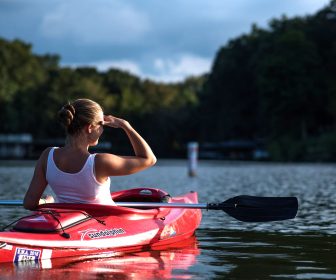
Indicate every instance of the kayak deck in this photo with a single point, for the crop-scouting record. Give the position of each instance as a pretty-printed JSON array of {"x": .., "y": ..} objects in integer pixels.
[{"x": 69, "y": 230}]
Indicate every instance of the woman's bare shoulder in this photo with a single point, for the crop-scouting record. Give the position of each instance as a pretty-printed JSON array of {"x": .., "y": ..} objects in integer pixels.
[
  {"x": 42, "y": 161},
  {"x": 45, "y": 153},
  {"x": 105, "y": 158},
  {"x": 108, "y": 165}
]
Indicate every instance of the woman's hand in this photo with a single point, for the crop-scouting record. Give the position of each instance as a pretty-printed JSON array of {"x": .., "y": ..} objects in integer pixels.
[
  {"x": 114, "y": 122},
  {"x": 47, "y": 199}
]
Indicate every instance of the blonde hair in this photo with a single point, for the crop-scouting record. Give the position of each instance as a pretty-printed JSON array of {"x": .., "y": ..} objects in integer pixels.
[{"x": 76, "y": 115}]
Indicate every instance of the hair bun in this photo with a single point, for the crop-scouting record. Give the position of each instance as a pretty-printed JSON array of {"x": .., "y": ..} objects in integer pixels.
[
  {"x": 70, "y": 108},
  {"x": 66, "y": 114},
  {"x": 76, "y": 115}
]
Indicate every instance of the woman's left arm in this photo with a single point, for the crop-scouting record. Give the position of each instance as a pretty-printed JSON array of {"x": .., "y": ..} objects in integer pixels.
[{"x": 37, "y": 184}]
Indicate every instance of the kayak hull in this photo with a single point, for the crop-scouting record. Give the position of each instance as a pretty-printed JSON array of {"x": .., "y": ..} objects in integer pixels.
[
  {"x": 87, "y": 230},
  {"x": 169, "y": 263}
]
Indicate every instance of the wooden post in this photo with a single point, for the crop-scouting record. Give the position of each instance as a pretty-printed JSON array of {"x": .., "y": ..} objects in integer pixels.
[{"x": 192, "y": 158}]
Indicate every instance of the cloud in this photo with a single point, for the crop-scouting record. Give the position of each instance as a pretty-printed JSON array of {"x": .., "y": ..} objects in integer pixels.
[
  {"x": 175, "y": 70},
  {"x": 95, "y": 22},
  {"x": 125, "y": 65},
  {"x": 163, "y": 69},
  {"x": 161, "y": 40}
]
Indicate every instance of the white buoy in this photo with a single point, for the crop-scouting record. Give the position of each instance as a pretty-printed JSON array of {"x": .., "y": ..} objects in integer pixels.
[{"x": 192, "y": 158}]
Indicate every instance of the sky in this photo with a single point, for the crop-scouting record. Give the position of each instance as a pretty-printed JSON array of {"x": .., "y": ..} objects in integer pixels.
[{"x": 162, "y": 40}]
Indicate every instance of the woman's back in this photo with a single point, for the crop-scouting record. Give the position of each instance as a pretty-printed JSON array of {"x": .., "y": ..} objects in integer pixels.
[
  {"x": 73, "y": 180},
  {"x": 70, "y": 160}
]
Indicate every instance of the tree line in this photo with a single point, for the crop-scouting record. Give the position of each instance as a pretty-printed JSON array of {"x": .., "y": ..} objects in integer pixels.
[
  {"x": 277, "y": 84},
  {"x": 274, "y": 85},
  {"x": 34, "y": 87}
]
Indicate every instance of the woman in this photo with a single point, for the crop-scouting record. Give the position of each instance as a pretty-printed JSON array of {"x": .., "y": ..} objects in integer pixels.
[{"x": 75, "y": 175}]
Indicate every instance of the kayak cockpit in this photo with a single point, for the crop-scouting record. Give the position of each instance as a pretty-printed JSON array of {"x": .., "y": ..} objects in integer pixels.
[
  {"x": 141, "y": 195},
  {"x": 131, "y": 195},
  {"x": 55, "y": 217}
]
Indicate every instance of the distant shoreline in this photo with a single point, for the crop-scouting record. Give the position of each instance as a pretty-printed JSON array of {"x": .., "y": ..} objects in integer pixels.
[{"x": 183, "y": 162}]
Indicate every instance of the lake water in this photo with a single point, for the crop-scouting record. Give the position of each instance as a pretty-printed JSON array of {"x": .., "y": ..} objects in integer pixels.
[{"x": 224, "y": 248}]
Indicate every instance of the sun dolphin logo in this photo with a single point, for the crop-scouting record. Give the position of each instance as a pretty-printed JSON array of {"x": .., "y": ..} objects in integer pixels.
[{"x": 94, "y": 233}]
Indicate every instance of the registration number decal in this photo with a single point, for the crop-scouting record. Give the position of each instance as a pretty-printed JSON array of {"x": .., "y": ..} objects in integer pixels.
[{"x": 28, "y": 255}]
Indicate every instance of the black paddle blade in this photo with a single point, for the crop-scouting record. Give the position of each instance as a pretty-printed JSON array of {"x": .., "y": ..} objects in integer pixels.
[{"x": 259, "y": 209}]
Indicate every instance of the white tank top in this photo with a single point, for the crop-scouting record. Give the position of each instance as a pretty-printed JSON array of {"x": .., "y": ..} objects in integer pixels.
[{"x": 80, "y": 187}]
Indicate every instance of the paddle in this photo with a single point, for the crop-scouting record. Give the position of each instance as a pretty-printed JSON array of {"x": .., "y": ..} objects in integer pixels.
[{"x": 243, "y": 208}]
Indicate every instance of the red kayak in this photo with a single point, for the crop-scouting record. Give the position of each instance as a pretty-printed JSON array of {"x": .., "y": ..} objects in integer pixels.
[{"x": 61, "y": 230}]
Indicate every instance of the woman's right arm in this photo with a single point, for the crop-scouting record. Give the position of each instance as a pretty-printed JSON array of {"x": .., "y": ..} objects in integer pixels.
[
  {"x": 113, "y": 165},
  {"x": 38, "y": 184}
]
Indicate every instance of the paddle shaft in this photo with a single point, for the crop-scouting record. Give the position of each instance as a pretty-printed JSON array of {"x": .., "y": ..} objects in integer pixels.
[
  {"x": 130, "y": 204},
  {"x": 244, "y": 208}
]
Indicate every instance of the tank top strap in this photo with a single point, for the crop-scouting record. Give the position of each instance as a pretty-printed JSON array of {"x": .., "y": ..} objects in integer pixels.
[
  {"x": 50, "y": 161},
  {"x": 91, "y": 164}
]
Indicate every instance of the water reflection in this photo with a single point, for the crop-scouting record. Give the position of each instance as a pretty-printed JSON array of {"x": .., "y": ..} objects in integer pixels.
[{"x": 173, "y": 263}]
